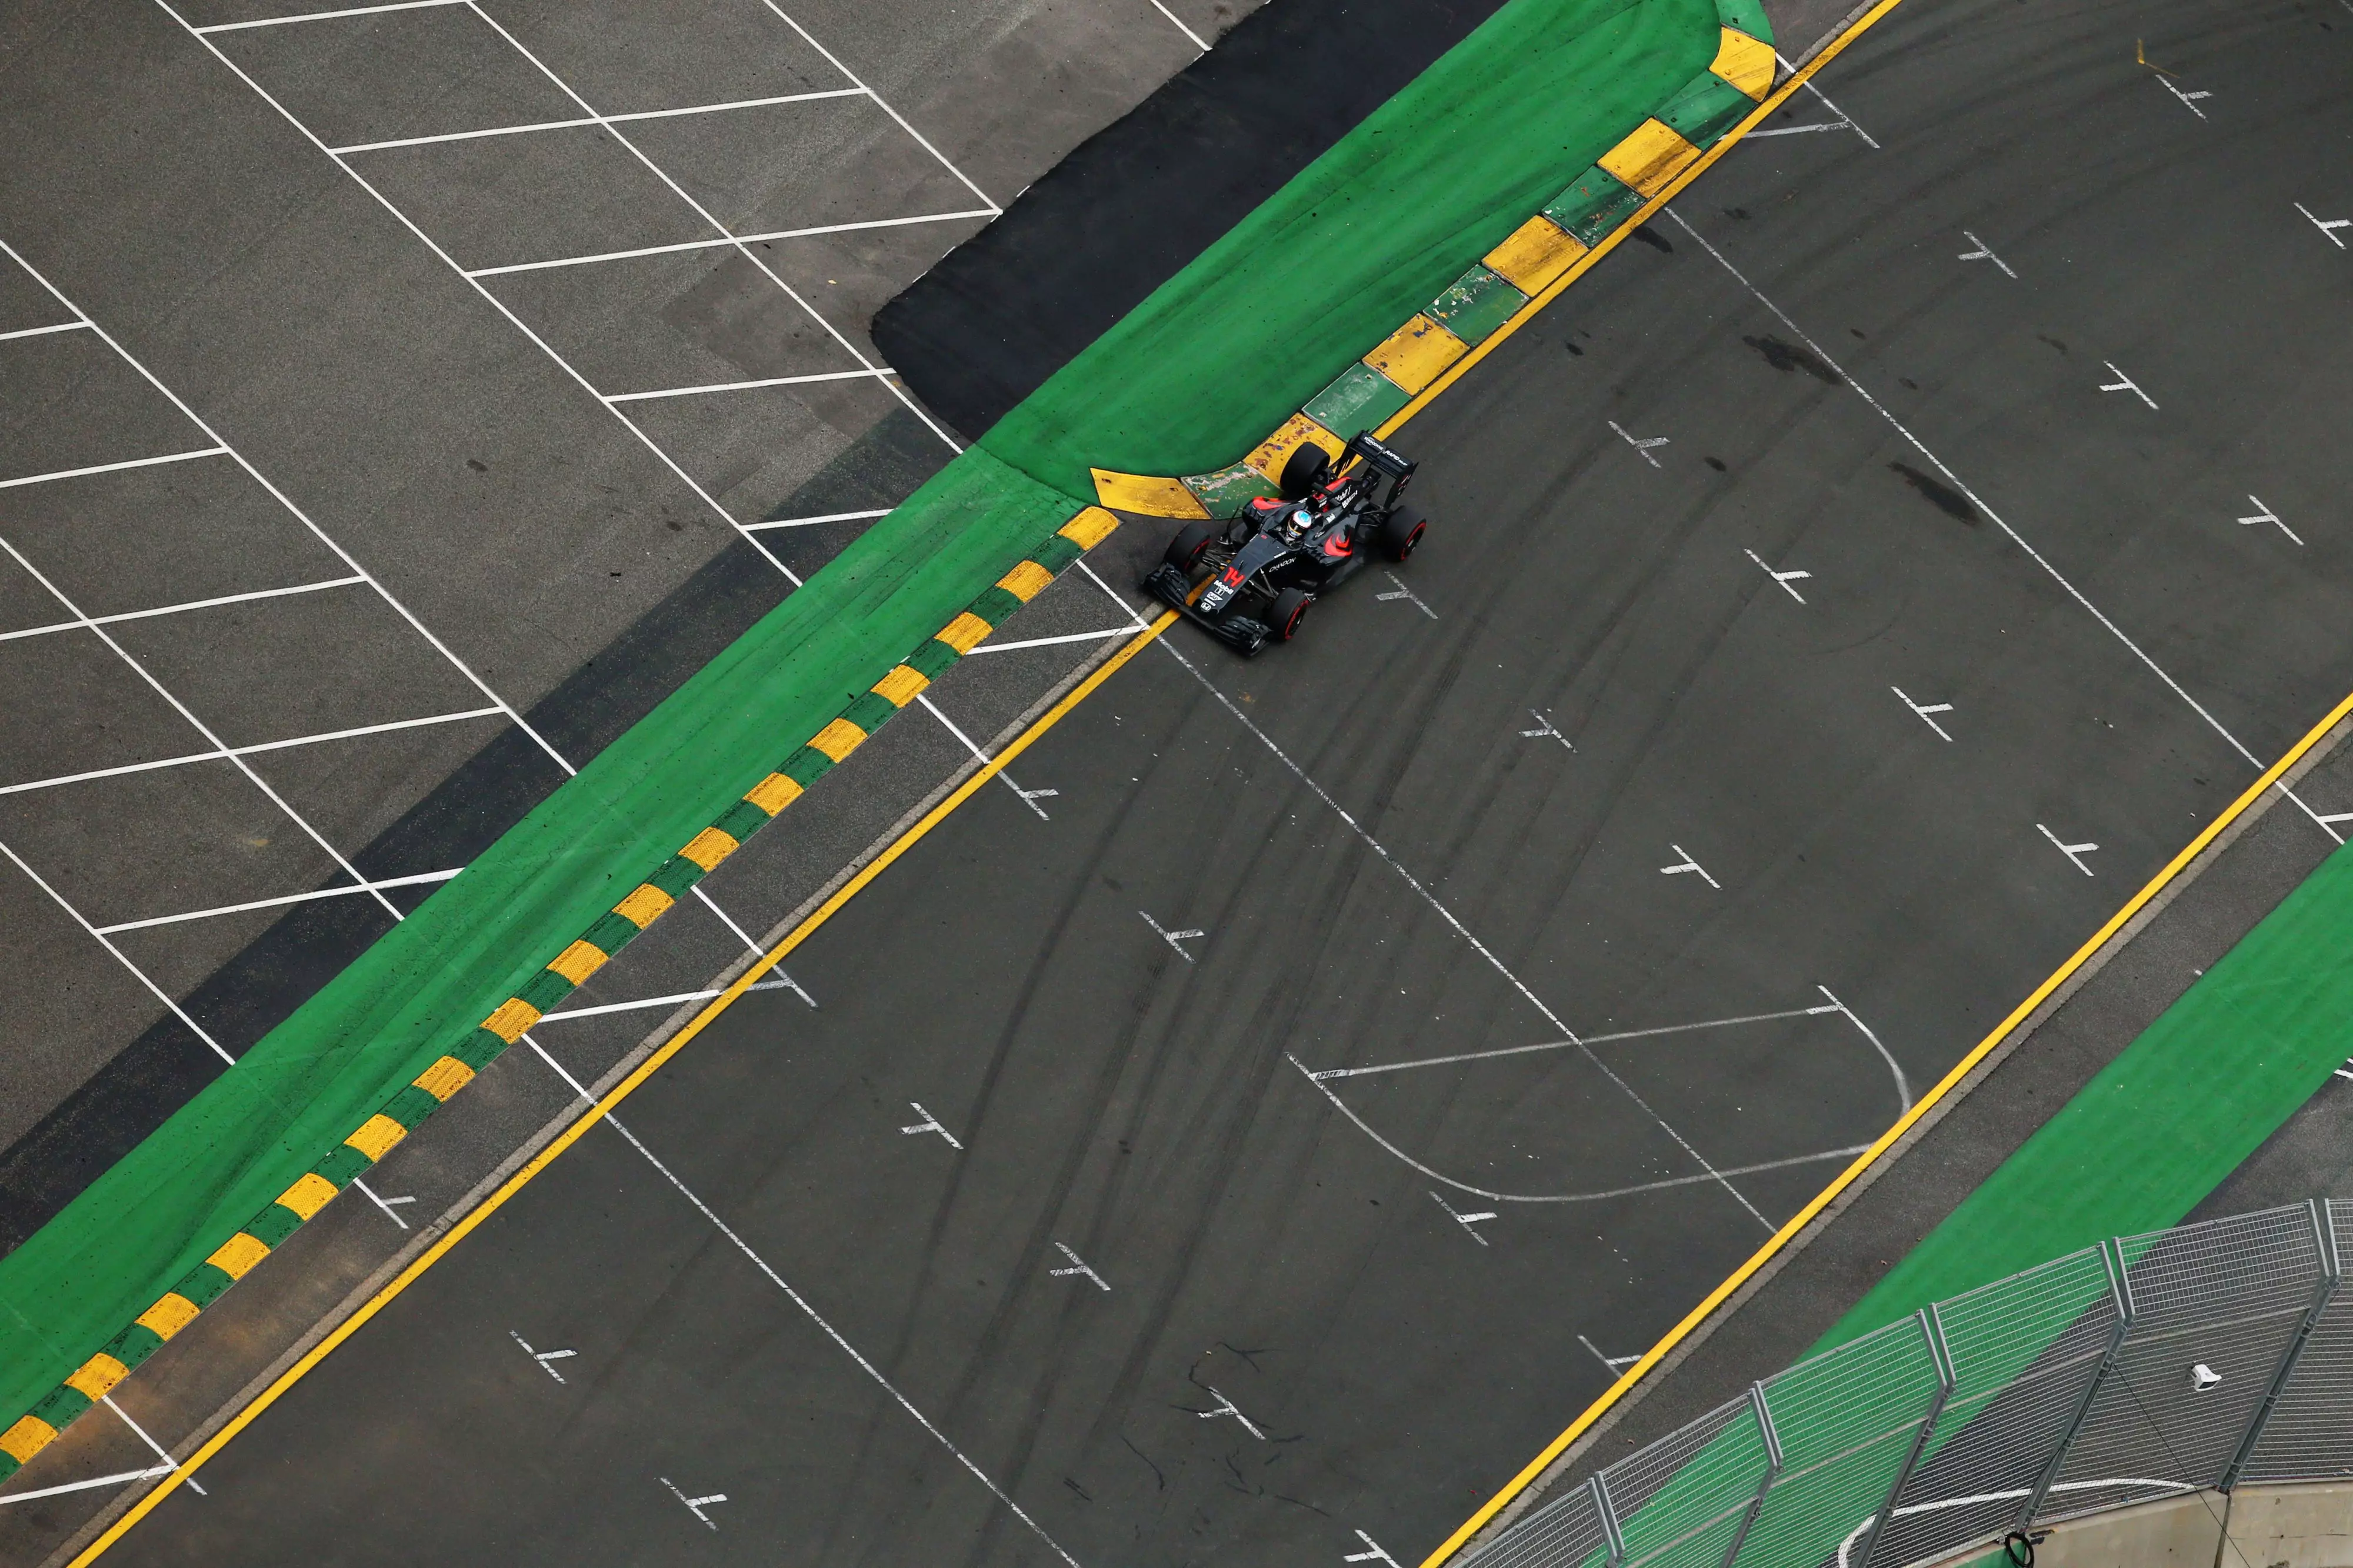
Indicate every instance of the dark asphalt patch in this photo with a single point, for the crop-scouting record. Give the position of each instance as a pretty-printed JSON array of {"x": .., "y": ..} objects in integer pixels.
[
  {"x": 1787, "y": 357},
  {"x": 1654, "y": 239},
  {"x": 1136, "y": 202},
  {"x": 1940, "y": 495}
]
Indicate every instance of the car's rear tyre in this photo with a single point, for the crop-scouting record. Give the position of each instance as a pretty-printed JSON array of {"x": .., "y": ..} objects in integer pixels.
[
  {"x": 1290, "y": 608},
  {"x": 1304, "y": 469},
  {"x": 1401, "y": 534},
  {"x": 1185, "y": 550}
]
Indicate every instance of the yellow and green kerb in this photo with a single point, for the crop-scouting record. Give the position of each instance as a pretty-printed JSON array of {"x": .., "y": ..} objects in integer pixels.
[
  {"x": 612, "y": 931},
  {"x": 1376, "y": 388}
]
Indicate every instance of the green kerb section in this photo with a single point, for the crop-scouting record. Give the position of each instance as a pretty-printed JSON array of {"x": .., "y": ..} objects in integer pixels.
[
  {"x": 1368, "y": 234},
  {"x": 151, "y": 1219},
  {"x": 2164, "y": 1123}
]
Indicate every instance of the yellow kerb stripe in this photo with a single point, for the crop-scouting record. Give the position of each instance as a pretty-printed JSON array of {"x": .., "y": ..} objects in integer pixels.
[
  {"x": 1025, "y": 581},
  {"x": 307, "y": 1195},
  {"x": 96, "y": 1378},
  {"x": 838, "y": 740},
  {"x": 775, "y": 792},
  {"x": 1746, "y": 62},
  {"x": 1416, "y": 353},
  {"x": 238, "y": 1255},
  {"x": 1536, "y": 252},
  {"x": 168, "y": 1316},
  {"x": 1145, "y": 493},
  {"x": 377, "y": 1135},
  {"x": 1089, "y": 528},
  {"x": 443, "y": 1079},
  {"x": 900, "y": 686},
  {"x": 579, "y": 960},
  {"x": 1650, "y": 157},
  {"x": 513, "y": 1017},
  {"x": 709, "y": 848},
  {"x": 28, "y": 1437},
  {"x": 642, "y": 908},
  {"x": 1295, "y": 432},
  {"x": 964, "y": 633}
]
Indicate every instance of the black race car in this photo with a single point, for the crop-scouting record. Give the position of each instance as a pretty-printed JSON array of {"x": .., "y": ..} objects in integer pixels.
[{"x": 1280, "y": 554}]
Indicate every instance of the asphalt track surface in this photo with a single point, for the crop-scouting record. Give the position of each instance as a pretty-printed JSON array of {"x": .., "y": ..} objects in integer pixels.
[
  {"x": 462, "y": 485},
  {"x": 2116, "y": 666}
]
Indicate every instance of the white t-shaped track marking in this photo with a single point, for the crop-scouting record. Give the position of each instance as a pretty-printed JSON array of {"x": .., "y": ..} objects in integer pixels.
[{"x": 930, "y": 1124}]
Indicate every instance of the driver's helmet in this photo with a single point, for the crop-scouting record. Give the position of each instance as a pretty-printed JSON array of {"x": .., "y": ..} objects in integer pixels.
[{"x": 1296, "y": 523}]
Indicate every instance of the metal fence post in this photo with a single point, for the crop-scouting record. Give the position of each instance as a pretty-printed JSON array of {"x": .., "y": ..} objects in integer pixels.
[
  {"x": 2331, "y": 1274},
  {"x": 1608, "y": 1520},
  {"x": 2120, "y": 1291},
  {"x": 1772, "y": 1471},
  {"x": 1932, "y": 1329}
]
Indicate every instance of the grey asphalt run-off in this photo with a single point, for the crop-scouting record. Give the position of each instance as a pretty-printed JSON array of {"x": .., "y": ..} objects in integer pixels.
[{"x": 875, "y": 1358}]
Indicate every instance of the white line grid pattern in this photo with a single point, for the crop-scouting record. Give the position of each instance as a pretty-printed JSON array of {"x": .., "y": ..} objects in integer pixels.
[
  {"x": 357, "y": 575},
  {"x": 722, "y": 235}
]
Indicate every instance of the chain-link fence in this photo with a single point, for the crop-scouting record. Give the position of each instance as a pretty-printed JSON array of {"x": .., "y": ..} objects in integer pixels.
[{"x": 2147, "y": 1367}]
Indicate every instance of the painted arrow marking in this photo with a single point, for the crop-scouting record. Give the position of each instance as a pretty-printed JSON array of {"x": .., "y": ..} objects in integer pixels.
[
  {"x": 1689, "y": 863},
  {"x": 1984, "y": 252},
  {"x": 1371, "y": 1553},
  {"x": 543, "y": 1357},
  {"x": 1175, "y": 939},
  {"x": 930, "y": 1124},
  {"x": 2189, "y": 99},
  {"x": 1925, "y": 709},
  {"x": 1643, "y": 447},
  {"x": 2125, "y": 384},
  {"x": 1469, "y": 1222},
  {"x": 2327, "y": 226},
  {"x": 1406, "y": 593},
  {"x": 1078, "y": 1266},
  {"x": 1545, "y": 726},
  {"x": 1784, "y": 578},
  {"x": 695, "y": 1505},
  {"x": 2265, "y": 514},
  {"x": 2074, "y": 852},
  {"x": 1227, "y": 1407}
]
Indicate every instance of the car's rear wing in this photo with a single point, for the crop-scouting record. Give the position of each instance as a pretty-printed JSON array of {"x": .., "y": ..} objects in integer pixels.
[{"x": 1392, "y": 466}]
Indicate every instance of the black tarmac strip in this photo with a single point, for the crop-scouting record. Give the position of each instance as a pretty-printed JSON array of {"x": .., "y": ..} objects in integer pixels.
[
  {"x": 1204, "y": 1168},
  {"x": 1136, "y": 202}
]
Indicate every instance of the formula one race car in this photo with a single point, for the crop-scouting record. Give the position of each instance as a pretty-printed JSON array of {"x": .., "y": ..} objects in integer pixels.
[{"x": 1280, "y": 554}]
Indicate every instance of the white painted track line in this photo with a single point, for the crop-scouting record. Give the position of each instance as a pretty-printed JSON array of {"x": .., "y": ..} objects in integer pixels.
[
  {"x": 255, "y": 749},
  {"x": 326, "y": 15},
  {"x": 580, "y": 124},
  {"x": 749, "y": 387},
  {"x": 595, "y": 256},
  {"x": 182, "y": 608},
  {"x": 282, "y": 900},
  {"x": 813, "y": 522},
  {"x": 43, "y": 332},
  {"x": 114, "y": 468}
]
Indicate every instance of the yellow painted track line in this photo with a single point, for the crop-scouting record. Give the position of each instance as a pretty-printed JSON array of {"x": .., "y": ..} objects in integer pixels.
[
  {"x": 1887, "y": 1139},
  {"x": 626, "y": 1088},
  {"x": 1586, "y": 262}
]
